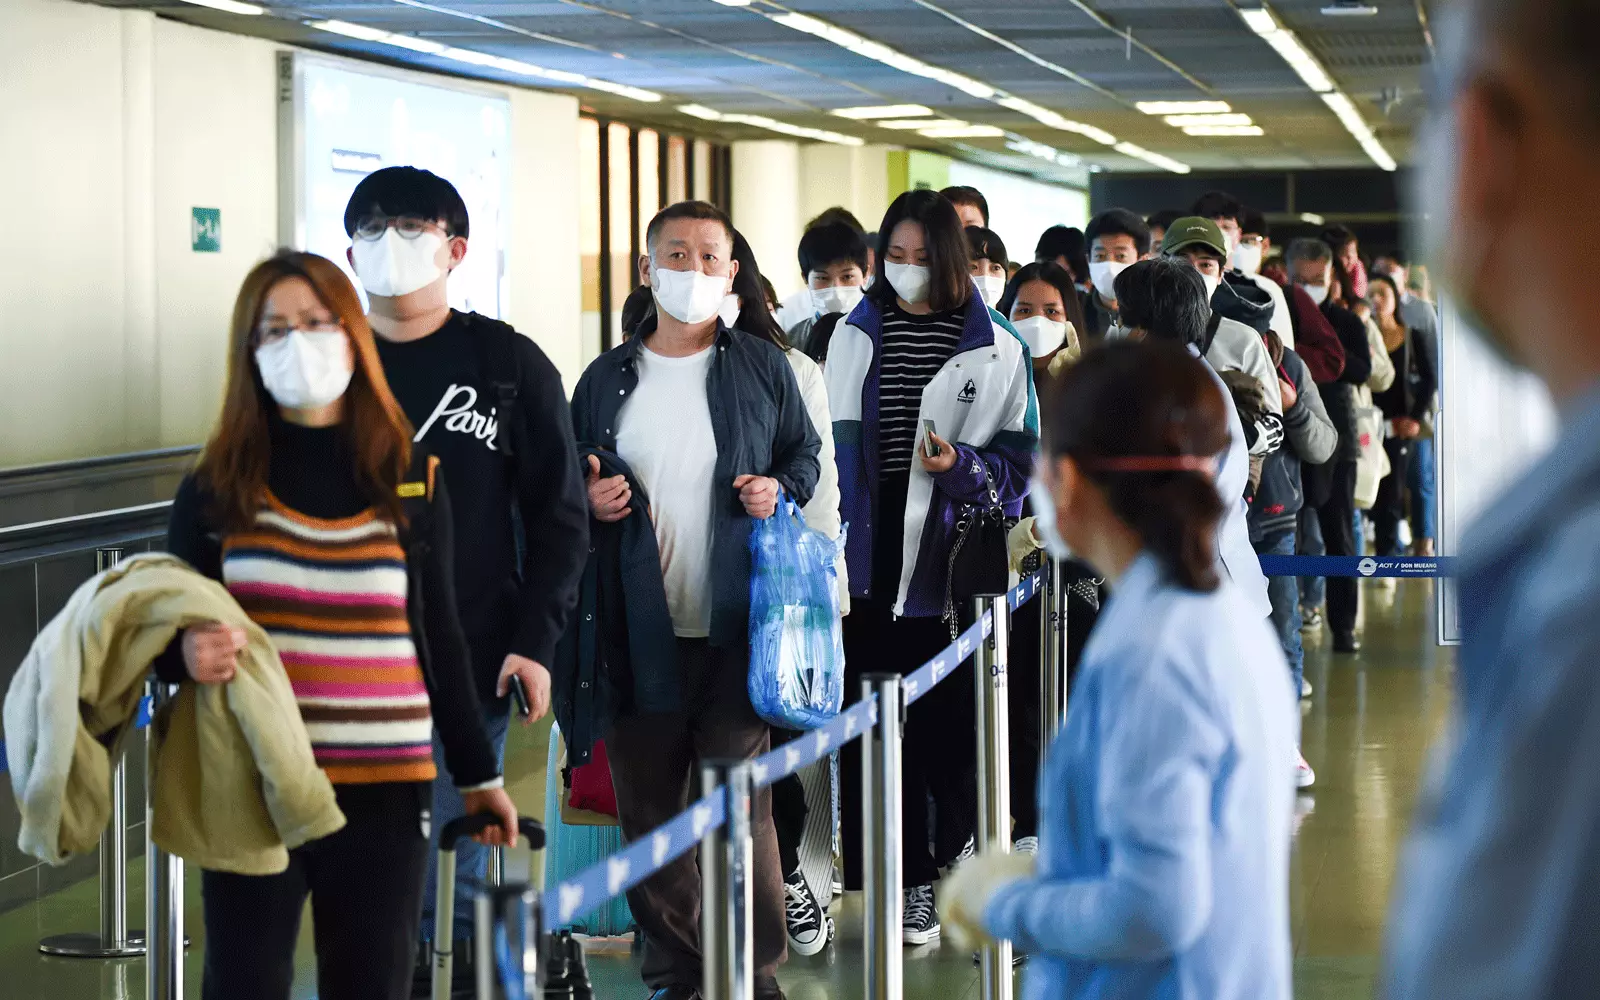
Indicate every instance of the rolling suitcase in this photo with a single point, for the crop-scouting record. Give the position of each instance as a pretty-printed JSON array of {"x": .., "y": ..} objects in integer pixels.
[{"x": 514, "y": 959}]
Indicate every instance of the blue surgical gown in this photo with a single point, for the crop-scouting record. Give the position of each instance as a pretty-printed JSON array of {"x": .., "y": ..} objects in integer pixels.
[{"x": 1164, "y": 809}]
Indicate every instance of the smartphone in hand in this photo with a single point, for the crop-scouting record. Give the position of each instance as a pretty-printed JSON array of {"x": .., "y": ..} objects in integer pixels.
[
  {"x": 519, "y": 696},
  {"x": 928, "y": 447}
]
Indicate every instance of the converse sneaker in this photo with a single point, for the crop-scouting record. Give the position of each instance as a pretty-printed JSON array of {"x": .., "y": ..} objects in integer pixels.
[
  {"x": 968, "y": 850},
  {"x": 808, "y": 925},
  {"x": 1304, "y": 777},
  {"x": 1310, "y": 618},
  {"x": 920, "y": 921},
  {"x": 1025, "y": 845}
]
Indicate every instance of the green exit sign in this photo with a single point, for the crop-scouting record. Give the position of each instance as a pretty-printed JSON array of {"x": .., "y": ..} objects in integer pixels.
[{"x": 205, "y": 230}]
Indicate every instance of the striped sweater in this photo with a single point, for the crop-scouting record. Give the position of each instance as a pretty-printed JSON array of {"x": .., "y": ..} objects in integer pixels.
[{"x": 332, "y": 595}]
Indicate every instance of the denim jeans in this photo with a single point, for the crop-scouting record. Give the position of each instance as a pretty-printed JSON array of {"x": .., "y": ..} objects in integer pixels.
[
  {"x": 1313, "y": 589},
  {"x": 1284, "y": 593},
  {"x": 472, "y": 858},
  {"x": 1424, "y": 518}
]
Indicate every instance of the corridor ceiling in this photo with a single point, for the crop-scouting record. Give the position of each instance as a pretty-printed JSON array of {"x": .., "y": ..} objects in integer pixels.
[{"x": 1087, "y": 61}]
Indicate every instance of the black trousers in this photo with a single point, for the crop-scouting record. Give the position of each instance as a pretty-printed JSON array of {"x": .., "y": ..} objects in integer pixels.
[
  {"x": 1390, "y": 508},
  {"x": 655, "y": 761},
  {"x": 1336, "y": 518},
  {"x": 788, "y": 811},
  {"x": 365, "y": 883}
]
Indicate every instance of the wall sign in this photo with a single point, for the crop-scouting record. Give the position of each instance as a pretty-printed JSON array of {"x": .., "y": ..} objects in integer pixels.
[{"x": 205, "y": 230}]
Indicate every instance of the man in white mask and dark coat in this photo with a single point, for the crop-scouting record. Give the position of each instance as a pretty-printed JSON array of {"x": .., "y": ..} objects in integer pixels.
[{"x": 489, "y": 404}]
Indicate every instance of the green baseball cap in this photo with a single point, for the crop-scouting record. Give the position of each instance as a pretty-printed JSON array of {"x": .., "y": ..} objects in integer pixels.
[{"x": 1191, "y": 230}]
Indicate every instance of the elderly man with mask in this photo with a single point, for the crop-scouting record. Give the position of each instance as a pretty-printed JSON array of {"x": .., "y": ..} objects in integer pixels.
[{"x": 1496, "y": 892}]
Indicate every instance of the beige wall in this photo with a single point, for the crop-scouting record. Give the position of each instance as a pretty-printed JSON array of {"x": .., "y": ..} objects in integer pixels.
[
  {"x": 766, "y": 206},
  {"x": 856, "y": 177},
  {"x": 111, "y": 329}
]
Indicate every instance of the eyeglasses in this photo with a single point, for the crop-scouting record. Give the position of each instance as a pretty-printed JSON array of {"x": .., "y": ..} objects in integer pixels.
[
  {"x": 408, "y": 226},
  {"x": 272, "y": 333}
]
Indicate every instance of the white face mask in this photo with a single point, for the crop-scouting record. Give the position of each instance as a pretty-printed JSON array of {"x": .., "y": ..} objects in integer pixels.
[
  {"x": 1041, "y": 333},
  {"x": 1247, "y": 258},
  {"x": 909, "y": 281},
  {"x": 305, "y": 370},
  {"x": 1103, "y": 273},
  {"x": 836, "y": 299},
  {"x": 1212, "y": 281},
  {"x": 393, "y": 265},
  {"x": 990, "y": 287},
  {"x": 688, "y": 296},
  {"x": 1044, "y": 519},
  {"x": 728, "y": 312},
  {"x": 1318, "y": 293}
]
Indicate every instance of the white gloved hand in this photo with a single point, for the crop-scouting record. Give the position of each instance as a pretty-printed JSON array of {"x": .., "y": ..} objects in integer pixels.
[
  {"x": 1021, "y": 543},
  {"x": 1068, "y": 355},
  {"x": 965, "y": 894}
]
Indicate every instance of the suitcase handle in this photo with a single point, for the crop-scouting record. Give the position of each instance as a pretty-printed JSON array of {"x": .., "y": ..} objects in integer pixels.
[{"x": 463, "y": 827}]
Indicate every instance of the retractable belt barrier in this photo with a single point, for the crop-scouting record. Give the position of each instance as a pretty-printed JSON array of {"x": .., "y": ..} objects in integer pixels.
[{"x": 1359, "y": 566}]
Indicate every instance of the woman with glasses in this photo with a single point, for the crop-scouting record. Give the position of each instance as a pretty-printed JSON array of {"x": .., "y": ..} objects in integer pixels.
[{"x": 312, "y": 507}]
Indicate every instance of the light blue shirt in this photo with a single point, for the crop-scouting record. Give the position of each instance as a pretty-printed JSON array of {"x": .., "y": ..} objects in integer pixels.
[
  {"x": 1498, "y": 891},
  {"x": 1164, "y": 809}
]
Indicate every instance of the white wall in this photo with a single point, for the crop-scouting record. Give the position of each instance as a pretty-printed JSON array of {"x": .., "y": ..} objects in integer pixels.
[
  {"x": 112, "y": 330},
  {"x": 1020, "y": 209},
  {"x": 766, "y": 207}
]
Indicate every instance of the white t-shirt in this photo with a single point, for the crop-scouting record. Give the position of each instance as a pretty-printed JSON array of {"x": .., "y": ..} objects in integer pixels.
[{"x": 664, "y": 434}]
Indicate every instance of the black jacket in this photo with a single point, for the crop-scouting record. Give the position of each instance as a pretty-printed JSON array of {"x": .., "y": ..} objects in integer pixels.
[
  {"x": 1411, "y": 394},
  {"x": 761, "y": 428},
  {"x": 619, "y": 654},
  {"x": 1340, "y": 397},
  {"x": 194, "y": 535},
  {"x": 1307, "y": 437}
]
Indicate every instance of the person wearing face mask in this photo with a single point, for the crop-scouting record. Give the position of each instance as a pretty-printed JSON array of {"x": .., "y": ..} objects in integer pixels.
[
  {"x": 989, "y": 264},
  {"x": 972, "y": 208},
  {"x": 1117, "y": 238},
  {"x": 922, "y": 347},
  {"x": 1040, "y": 303},
  {"x": 489, "y": 404},
  {"x": 1330, "y": 487},
  {"x": 1165, "y": 804},
  {"x": 1244, "y": 258},
  {"x": 1493, "y": 892},
  {"x": 692, "y": 431},
  {"x": 801, "y": 305},
  {"x": 1230, "y": 344},
  {"x": 298, "y": 508},
  {"x": 834, "y": 260},
  {"x": 1422, "y": 319},
  {"x": 1065, "y": 247}
]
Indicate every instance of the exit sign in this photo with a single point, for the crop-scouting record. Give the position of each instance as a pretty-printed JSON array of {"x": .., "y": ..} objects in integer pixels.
[{"x": 205, "y": 230}]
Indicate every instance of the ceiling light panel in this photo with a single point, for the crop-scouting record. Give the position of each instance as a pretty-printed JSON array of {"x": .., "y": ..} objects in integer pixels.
[
  {"x": 916, "y": 123},
  {"x": 883, "y": 111},
  {"x": 1223, "y": 130},
  {"x": 231, "y": 6},
  {"x": 771, "y": 124},
  {"x": 1140, "y": 153},
  {"x": 961, "y": 132},
  {"x": 487, "y": 60},
  {"x": 1184, "y": 107},
  {"x": 1181, "y": 121}
]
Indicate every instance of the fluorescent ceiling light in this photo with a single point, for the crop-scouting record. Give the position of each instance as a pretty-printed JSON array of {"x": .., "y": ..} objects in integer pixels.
[
  {"x": 1259, "y": 19},
  {"x": 1044, "y": 152},
  {"x": 1182, "y": 121},
  {"x": 1287, "y": 44},
  {"x": 914, "y": 123},
  {"x": 733, "y": 3},
  {"x": 1223, "y": 130},
  {"x": 894, "y": 58},
  {"x": 883, "y": 111},
  {"x": 231, "y": 6},
  {"x": 1164, "y": 162},
  {"x": 1184, "y": 107},
  {"x": 516, "y": 67},
  {"x": 1312, "y": 219},
  {"x": 772, "y": 125},
  {"x": 953, "y": 131},
  {"x": 1345, "y": 109}
]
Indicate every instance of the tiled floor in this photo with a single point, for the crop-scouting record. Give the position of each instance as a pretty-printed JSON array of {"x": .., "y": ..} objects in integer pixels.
[{"x": 1366, "y": 732}]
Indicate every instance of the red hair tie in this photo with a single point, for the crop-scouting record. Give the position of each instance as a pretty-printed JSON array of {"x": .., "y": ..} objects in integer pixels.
[{"x": 1155, "y": 463}]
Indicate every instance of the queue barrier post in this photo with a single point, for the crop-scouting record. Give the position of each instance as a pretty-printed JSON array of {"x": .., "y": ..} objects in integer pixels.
[
  {"x": 726, "y": 866},
  {"x": 880, "y": 840},
  {"x": 163, "y": 883},
  {"x": 1053, "y": 645},
  {"x": 114, "y": 940},
  {"x": 994, "y": 773}
]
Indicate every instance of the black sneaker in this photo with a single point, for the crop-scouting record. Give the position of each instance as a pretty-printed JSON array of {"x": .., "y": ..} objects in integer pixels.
[
  {"x": 675, "y": 992},
  {"x": 809, "y": 927},
  {"x": 919, "y": 922}
]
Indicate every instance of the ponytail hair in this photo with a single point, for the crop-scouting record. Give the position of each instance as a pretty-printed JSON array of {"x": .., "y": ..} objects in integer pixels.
[{"x": 1144, "y": 421}]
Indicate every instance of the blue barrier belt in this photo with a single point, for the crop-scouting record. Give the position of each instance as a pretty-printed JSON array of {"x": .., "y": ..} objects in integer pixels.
[{"x": 1359, "y": 566}]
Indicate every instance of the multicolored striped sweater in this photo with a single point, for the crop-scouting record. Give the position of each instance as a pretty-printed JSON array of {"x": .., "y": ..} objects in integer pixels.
[{"x": 332, "y": 595}]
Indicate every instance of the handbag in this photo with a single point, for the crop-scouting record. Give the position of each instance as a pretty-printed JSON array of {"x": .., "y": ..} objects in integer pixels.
[{"x": 979, "y": 560}]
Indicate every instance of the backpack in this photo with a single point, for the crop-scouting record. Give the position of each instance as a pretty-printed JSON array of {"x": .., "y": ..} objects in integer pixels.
[{"x": 502, "y": 369}]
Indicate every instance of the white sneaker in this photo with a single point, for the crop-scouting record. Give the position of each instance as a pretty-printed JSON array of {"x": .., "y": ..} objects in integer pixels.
[
  {"x": 920, "y": 919},
  {"x": 1025, "y": 845},
  {"x": 1304, "y": 777},
  {"x": 1305, "y": 687},
  {"x": 968, "y": 851},
  {"x": 808, "y": 926}
]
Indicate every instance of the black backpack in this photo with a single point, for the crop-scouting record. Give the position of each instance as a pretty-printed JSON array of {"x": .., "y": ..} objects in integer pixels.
[{"x": 502, "y": 369}]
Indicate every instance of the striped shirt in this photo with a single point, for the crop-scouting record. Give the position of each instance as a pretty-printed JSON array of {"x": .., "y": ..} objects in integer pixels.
[
  {"x": 914, "y": 349},
  {"x": 332, "y": 596}
]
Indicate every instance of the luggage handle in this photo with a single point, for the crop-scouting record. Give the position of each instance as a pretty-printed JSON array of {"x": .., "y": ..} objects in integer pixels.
[{"x": 463, "y": 827}]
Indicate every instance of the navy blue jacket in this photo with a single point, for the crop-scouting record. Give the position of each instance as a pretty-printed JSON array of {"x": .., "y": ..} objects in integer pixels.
[{"x": 761, "y": 428}]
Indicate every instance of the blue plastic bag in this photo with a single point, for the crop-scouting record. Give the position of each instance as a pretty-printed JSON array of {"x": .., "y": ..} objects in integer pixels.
[{"x": 796, "y": 640}]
